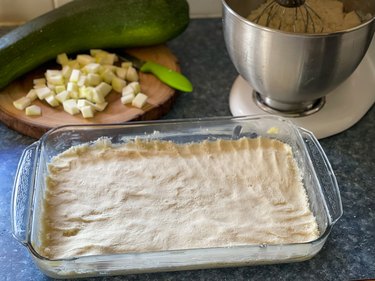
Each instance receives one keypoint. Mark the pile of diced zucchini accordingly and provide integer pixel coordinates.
(82, 84)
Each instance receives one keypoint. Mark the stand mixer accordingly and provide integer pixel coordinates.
(292, 73)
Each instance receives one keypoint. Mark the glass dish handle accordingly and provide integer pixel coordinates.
(325, 175)
(22, 193)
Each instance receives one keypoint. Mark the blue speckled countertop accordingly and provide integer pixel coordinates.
(349, 252)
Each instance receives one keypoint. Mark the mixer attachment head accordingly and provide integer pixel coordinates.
(304, 18)
(290, 3)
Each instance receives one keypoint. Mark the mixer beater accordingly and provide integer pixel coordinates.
(290, 15)
(302, 16)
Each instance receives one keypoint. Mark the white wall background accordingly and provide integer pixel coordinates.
(18, 11)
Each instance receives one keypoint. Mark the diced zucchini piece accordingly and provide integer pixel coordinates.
(95, 52)
(82, 81)
(128, 91)
(93, 79)
(87, 111)
(82, 103)
(38, 86)
(131, 88)
(70, 106)
(98, 97)
(74, 94)
(74, 64)
(98, 53)
(22, 103)
(32, 95)
(127, 98)
(39, 81)
(85, 59)
(51, 100)
(126, 64)
(74, 77)
(105, 67)
(57, 79)
(91, 68)
(108, 76)
(51, 86)
(52, 72)
(99, 106)
(62, 96)
(135, 86)
(59, 89)
(71, 86)
(86, 93)
(43, 92)
(106, 58)
(103, 88)
(66, 71)
(118, 84)
(139, 100)
(82, 92)
(121, 73)
(131, 74)
(33, 110)
(62, 59)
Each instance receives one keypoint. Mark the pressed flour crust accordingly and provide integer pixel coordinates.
(154, 196)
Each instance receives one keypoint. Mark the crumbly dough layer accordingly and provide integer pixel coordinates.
(153, 196)
(323, 16)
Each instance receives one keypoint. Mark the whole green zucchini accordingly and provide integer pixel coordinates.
(87, 24)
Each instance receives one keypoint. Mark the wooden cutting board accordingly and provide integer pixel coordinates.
(159, 102)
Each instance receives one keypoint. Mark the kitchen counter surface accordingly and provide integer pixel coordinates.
(349, 252)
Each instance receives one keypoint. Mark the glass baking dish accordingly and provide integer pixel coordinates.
(318, 179)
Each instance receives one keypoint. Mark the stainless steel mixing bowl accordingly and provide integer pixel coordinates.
(291, 72)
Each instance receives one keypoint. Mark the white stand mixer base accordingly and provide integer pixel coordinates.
(344, 107)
